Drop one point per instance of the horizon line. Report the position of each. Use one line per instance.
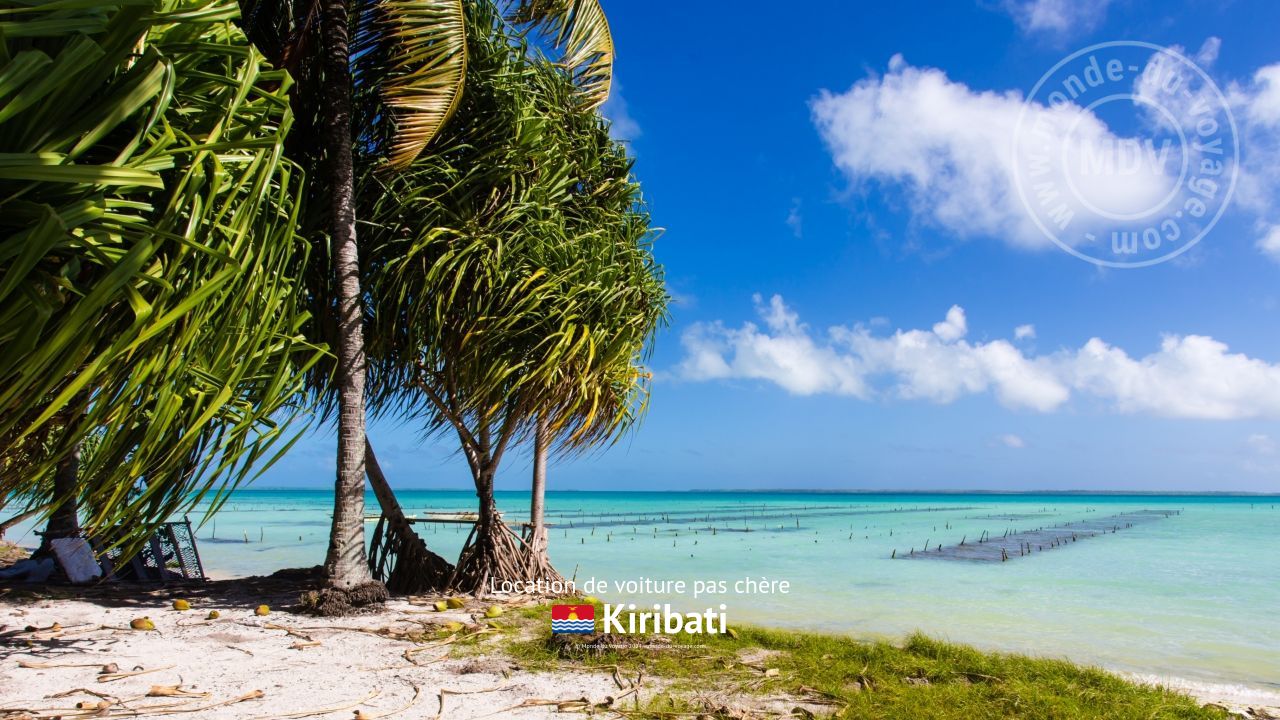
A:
(833, 491)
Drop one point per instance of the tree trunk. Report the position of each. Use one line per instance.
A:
(491, 554)
(494, 554)
(65, 520)
(381, 488)
(345, 566)
(537, 563)
(415, 569)
(488, 506)
(537, 501)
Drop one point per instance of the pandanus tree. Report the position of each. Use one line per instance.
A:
(404, 62)
(502, 263)
(597, 395)
(149, 267)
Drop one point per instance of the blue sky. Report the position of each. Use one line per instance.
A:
(859, 301)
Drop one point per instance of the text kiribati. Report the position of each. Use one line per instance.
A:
(626, 620)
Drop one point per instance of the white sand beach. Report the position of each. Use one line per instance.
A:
(277, 666)
(79, 657)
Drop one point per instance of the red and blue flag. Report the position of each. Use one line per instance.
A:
(573, 619)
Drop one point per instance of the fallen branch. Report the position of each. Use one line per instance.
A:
(252, 695)
(173, 691)
(52, 666)
(86, 691)
(113, 676)
(821, 697)
(417, 693)
(410, 652)
(323, 711)
(103, 708)
(446, 691)
(288, 631)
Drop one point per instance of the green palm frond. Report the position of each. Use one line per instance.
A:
(580, 30)
(408, 62)
(149, 261)
(426, 65)
(511, 272)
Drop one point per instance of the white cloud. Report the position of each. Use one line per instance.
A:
(953, 327)
(1269, 243)
(1261, 444)
(795, 220)
(952, 151)
(1190, 376)
(949, 149)
(622, 126)
(1010, 440)
(1169, 88)
(1025, 332)
(783, 354)
(1208, 53)
(934, 366)
(1064, 17)
(1264, 102)
(1260, 457)
(1257, 108)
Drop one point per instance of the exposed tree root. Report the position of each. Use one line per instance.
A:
(494, 554)
(333, 602)
(415, 569)
(398, 555)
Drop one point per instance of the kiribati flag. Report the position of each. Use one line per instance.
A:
(573, 619)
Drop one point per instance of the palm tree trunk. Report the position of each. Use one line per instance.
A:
(345, 566)
(381, 488)
(415, 569)
(65, 520)
(537, 501)
(537, 563)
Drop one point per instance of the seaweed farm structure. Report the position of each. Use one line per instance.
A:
(735, 518)
(1013, 544)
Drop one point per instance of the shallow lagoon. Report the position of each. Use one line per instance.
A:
(1194, 595)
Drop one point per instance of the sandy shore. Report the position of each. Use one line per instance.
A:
(278, 666)
(54, 650)
(1236, 698)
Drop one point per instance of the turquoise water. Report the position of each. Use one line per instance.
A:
(1195, 595)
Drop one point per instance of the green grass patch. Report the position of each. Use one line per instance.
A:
(832, 675)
